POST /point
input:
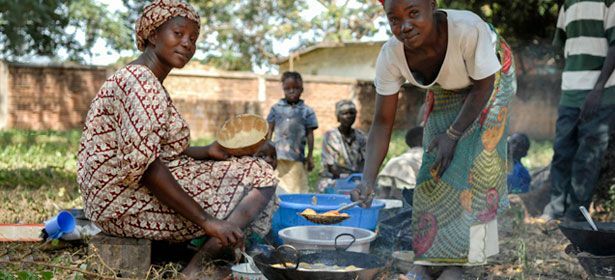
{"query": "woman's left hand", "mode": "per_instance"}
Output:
(216, 152)
(446, 150)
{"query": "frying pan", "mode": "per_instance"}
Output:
(370, 266)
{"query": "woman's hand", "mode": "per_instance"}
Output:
(215, 151)
(446, 150)
(363, 192)
(227, 233)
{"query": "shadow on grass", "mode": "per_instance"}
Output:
(35, 195)
(36, 178)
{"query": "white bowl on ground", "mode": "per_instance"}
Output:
(243, 271)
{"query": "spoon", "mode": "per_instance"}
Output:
(588, 217)
(348, 206)
(325, 219)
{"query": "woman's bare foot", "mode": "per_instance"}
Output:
(207, 252)
(451, 273)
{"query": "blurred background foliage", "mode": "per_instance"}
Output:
(237, 34)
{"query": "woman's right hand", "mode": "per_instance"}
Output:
(228, 233)
(363, 192)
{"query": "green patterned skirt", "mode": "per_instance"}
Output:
(472, 191)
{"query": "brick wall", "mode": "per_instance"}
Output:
(206, 100)
(36, 97)
(50, 97)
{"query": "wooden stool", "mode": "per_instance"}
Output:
(127, 257)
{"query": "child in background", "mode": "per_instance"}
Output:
(519, 178)
(293, 124)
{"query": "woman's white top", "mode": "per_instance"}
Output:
(470, 53)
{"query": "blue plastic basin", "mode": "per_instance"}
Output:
(293, 204)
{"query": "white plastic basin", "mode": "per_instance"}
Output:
(323, 237)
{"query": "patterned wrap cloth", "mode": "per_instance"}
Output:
(347, 154)
(473, 189)
(131, 122)
(157, 13)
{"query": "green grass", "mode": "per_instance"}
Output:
(37, 174)
(37, 178)
(38, 170)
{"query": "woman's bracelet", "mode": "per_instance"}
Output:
(453, 134)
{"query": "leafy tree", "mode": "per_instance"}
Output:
(519, 21)
(237, 33)
(29, 26)
(240, 33)
(33, 27)
(344, 21)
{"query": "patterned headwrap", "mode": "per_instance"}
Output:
(157, 13)
(344, 105)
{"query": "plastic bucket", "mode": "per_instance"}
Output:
(346, 185)
(292, 204)
(323, 238)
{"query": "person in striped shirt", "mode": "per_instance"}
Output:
(586, 31)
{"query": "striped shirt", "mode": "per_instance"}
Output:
(585, 29)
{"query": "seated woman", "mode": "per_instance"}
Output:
(137, 173)
(343, 148)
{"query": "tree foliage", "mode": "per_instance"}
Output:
(240, 33)
(519, 21)
(34, 27)
(237, 34)
(346, 21)
(29, 26)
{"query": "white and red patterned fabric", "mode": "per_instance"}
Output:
(131, 122)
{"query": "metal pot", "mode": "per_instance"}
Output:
(369, 266)
(599, 243)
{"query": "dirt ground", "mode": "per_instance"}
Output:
(527, 251)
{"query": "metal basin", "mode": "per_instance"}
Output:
(598, 243)
(371, 266)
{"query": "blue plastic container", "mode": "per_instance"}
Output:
(345, 185)
(293, 204)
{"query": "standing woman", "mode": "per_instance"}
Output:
(137, 173)
(468, 73)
